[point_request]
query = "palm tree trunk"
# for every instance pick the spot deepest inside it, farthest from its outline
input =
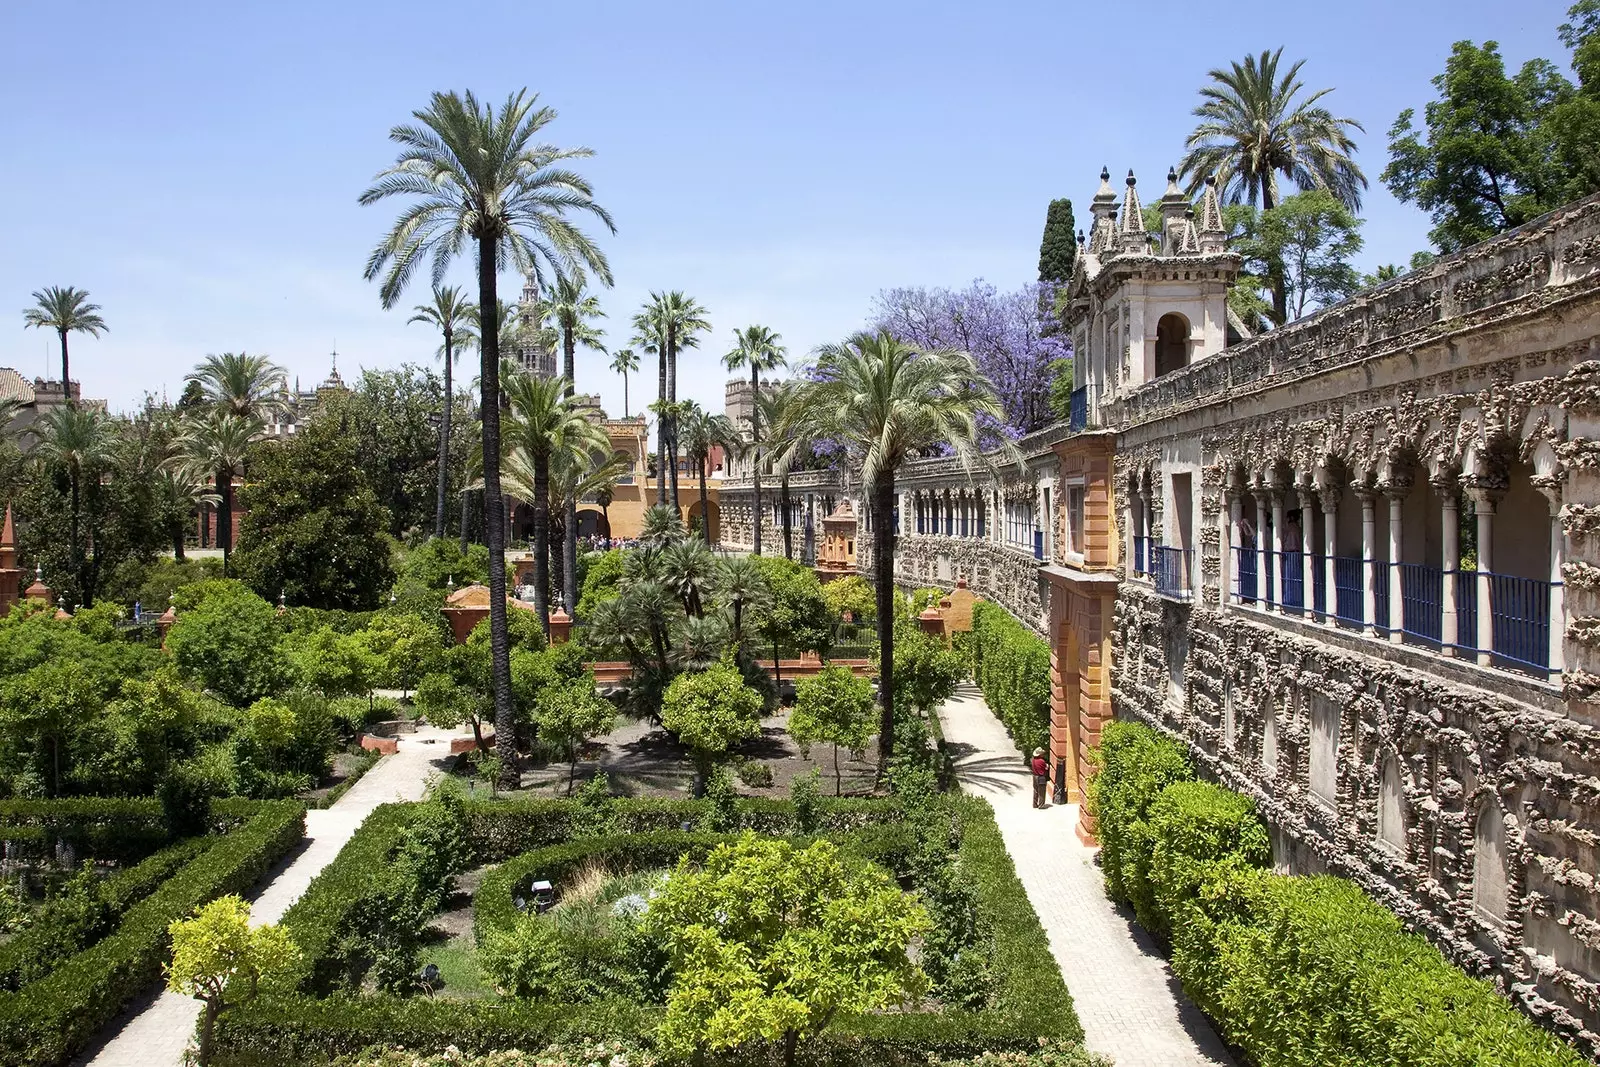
(541, 540)
(77, 555)
(661, 425)
(66, 381)
(882, 504)
(494, 521)
(569, 536)
(465, 497)
(783, 504)
(755, 454)
(705, 514)
(1275, 278)
(444, 437)
(625, 394)
(672, 421)
(225, 516)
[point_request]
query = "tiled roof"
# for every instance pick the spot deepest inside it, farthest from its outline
(14, 386)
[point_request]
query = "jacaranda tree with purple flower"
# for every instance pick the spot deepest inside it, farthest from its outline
(1005, 333)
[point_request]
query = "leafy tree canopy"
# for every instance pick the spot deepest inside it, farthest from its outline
(228, 640)
(711, 710)
(219, 959)
(315, 531)
(1059, 246)
(1312, 236)
(1497, 149)
(770, 942)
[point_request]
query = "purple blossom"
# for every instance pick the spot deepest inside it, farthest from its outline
(1003, 331)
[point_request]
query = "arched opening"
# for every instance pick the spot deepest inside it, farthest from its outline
(592, 522)
(1172, 343)
(693, 519)
(1391, 808)
(1489, 891)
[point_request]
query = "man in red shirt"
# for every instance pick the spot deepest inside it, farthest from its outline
(1041, 777)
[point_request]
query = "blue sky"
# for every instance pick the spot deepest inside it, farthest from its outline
(196, 165)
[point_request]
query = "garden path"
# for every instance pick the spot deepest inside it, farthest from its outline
(1131, 1005)
(157, 1028)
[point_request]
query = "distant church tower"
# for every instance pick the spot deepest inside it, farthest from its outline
(531, 351)
(1142, 304)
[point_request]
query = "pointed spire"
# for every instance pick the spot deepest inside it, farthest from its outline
(1106, 195)
(1189, 242)
(1213, 234)
(1174, 205)
(1102, 233)
(1132, 213)
(8, 543)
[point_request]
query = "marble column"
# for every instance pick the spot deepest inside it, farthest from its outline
(1328, 497)
(1369, 562)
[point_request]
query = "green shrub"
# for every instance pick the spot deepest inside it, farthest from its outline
(1194, 830)
(1136, 764)
(1012, 667)
(76, 919)
(755, 775)
(49, 1020)
(1302, 971)
(111, 828)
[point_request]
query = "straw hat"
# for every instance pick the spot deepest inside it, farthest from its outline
(1038, 752)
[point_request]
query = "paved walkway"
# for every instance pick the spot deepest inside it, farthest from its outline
(157, 1028)
(1132, 1006)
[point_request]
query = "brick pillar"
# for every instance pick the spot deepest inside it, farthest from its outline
(10, 573)
(1094, 697)
(1063, 705)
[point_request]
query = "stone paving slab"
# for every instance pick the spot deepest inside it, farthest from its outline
(157, 1028)
(1132, 1006)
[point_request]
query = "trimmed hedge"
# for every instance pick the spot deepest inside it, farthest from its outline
(118, 829)
(1136, 764)
(37, 950)
(1295, 971)
(50, 1020)
(1012, 666)
(289, 1024)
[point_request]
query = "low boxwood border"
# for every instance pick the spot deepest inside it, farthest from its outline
(48, 1021)
(290, 1024)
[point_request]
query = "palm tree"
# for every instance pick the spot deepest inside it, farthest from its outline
(671, 322)
(77, 440)
(1254, 129)
(779, 407)
(65, 310)
(250, 387)
(740, 583)
(579, 467)
(889, 401)
(702, 432)
(623, 362)
(758, 348)
(568, 310)
(544, 422)
(217, 442)
(452, 314)
(479, 173)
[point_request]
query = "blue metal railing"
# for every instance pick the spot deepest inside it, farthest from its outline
(1520, 610)
(1466, 610)
(1294, 581)
(1422, 602)
(1246, 578)
(1347, 588)
(1141, 555)
(1038, 543)
(1380, 596)
(1078, 414)
(1319, 585)
(1170, 567)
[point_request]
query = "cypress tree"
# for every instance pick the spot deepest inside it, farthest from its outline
(1059, 244)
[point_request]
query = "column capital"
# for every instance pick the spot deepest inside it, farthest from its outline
(1328, 496)
(1551, 488)
(1485, 497)
(1365, 493)
(1396, 485)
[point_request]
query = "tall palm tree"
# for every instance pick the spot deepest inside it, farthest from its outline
(1255, 127)
(758, 348)
(702, 432)
(889, 401)
(216, 441)
(65, 310)
(569, 311)
(251, 387)
(580, 467)
(673, 322)
(544, 421)
(649, 338)
(778, 408)
(480, 173)
(624, 361)
(78, 441)
(452, 314)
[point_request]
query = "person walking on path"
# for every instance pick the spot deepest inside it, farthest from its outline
(1041, 777)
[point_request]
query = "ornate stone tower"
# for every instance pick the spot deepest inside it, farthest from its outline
(1141, 304)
